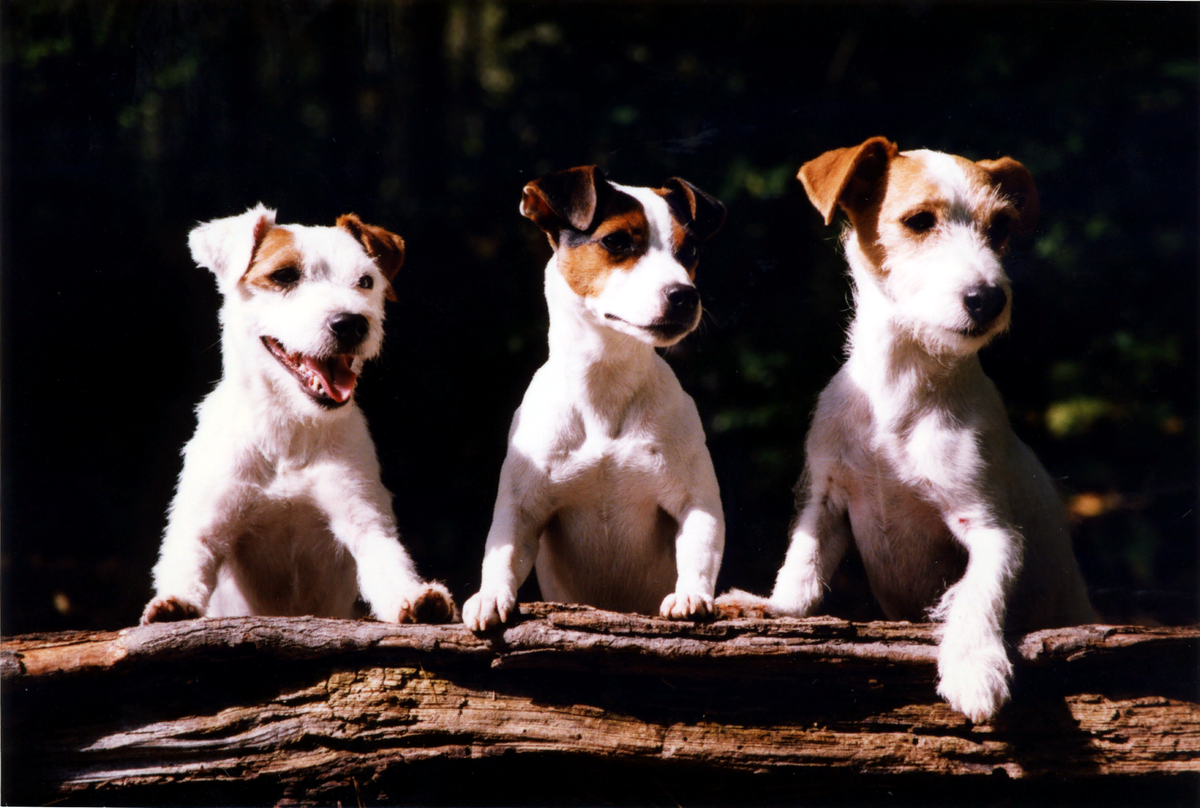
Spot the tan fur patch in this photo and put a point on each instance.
(277, 251)
(584, 261)
(907, 189)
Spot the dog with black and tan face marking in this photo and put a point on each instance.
(280, 509)
(608, 488)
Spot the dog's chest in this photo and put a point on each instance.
(600, 465)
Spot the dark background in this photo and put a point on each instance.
(125, 124)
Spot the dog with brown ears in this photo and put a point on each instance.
(608, 488)
(910, 454)
(280, 509)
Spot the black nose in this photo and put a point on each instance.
(984, 303)
(349, 329)
(682, 301)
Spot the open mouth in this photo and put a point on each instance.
(329, 381)
(662, 329)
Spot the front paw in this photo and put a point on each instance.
(484, 610)
(737, 603)
(169, 610)
(430, 604)
(687, 606)
(974, 681)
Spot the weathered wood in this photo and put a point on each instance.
(256, 710)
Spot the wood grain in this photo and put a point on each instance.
(262, 710)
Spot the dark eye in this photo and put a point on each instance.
(688, 253)
(366, 282)
(920, 222)
(617, 242)
(286, 276)
(998, 231)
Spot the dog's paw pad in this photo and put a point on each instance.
(735, 603)
(432, 605)
(169, 610)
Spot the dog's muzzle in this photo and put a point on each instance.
(329, 381)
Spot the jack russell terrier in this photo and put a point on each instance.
(280, 509)
(608, 487)
(910, 453)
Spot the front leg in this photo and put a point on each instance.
(699, 542)
(699, 546)
(973, 666)
(201, 527)
(820, 537)
(360, 517)
(522, 510)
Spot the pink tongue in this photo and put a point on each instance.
(336, 375)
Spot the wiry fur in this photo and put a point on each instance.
(280, 509)
(910, 453)
(607, 487)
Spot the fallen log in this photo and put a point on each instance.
(572, 704)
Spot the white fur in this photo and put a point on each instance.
(605, 442)
(911, 456)
(280, 508)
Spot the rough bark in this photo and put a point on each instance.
(257, 710)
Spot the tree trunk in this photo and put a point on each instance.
(572, 704)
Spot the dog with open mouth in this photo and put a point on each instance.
(280, 509)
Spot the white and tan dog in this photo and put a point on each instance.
(608, 483)
(910, 453)
(280, 509)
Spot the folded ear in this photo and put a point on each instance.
(846, 177)
(704, 214)
(226, 246)
(386, 248)
(563, 199)
(1015, 184)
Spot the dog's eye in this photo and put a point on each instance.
(688, 253)
(366, 282)
(287, 276)
(920, 222)
(617, 243)
(998, 231)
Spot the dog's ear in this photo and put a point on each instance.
(846, 177)
(702, 213)
(227, 246)
(564, 199)
(1016, 184)
(386, 248)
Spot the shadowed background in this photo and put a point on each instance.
(126, 124)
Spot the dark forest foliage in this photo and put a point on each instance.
(126, 123)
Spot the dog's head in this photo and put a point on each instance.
(303, 305)
(628, 255)
(929, 229)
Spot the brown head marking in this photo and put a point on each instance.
(275, 252)
(384, 247)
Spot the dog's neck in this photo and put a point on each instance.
(890, 364)
(604, 370)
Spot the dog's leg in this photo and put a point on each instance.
(191, 554)
(819, 541)
(360, 517)
(522, 511)
(973, 667)
(699, 546)
(820, 537)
